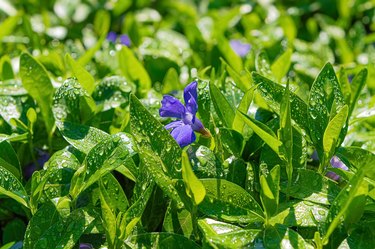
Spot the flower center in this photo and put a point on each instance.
(188, 118)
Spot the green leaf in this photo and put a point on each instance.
(171, 82)
(12, 187)
(333, 130)
(108, 215)
(160, 240)
(102, 22)
(113, 92)
(360, 238)
(238, 123)
(263, 66)
(230, 56)
(359, 158)
(8, 25)
(325, 100)
(229, 202)
(358, 82)
(178, 220)
(106, 156)
(117, 199)
(223, 235)
(89, 54)
(194, 188)
(6, 70)
(269, 193)
(281, 65)
(72, 103)
(149, 133)
(13, 231)
(319, 190)
(38, 84)
(280, 236)
(285, 133)
(273, 93)
(132, 216)
(242, 79)
(222, 107)
(66, 233)
(300, 214)
(232, 141)
(263, 131)
(133, 70)
(9, 159)
(84, 77)
(349, 205)
(82, 137)
(39, 223)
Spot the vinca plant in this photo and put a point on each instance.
(187, 124)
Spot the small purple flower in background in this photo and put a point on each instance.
(85, 246)
(336, 163)
(242, 49)
(112, 37)
(125, 40)
(183, 129)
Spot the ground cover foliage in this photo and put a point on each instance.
(283, 157)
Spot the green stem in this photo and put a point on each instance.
(195, 222)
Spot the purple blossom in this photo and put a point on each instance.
(336, 163)
(242, 49)
(85, 246)
(125, 40)
(182, 130)
(112, 37)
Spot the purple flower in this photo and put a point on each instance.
(85, 246)
(125, 40)
(336, 163)
(242, 49)
(183, 129)
(112, 37)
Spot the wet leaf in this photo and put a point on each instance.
(229, 202)
(273, 94)
(356, 86)
(222, 107)
(133, 70)
(280, 236)
(10, 186)
(9, 159)
(194, 188)
(319, 190)
(325, 100)
(223, 235)
(149, 133)
(84, 77)
(280, 66)
(160, 240)
(38, 84)
(333, 130)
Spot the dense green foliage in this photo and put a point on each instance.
(286, 89)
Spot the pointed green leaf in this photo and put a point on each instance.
(38, 84)
(263, 131)
(325, 100)
(229, 202)
(358, 82)
(12, 187)
(84, 77)
(223, 235)
(133, 70)
(333, 130)
(194, 188)
(222, 106)
(280, 236)
(280, 66)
